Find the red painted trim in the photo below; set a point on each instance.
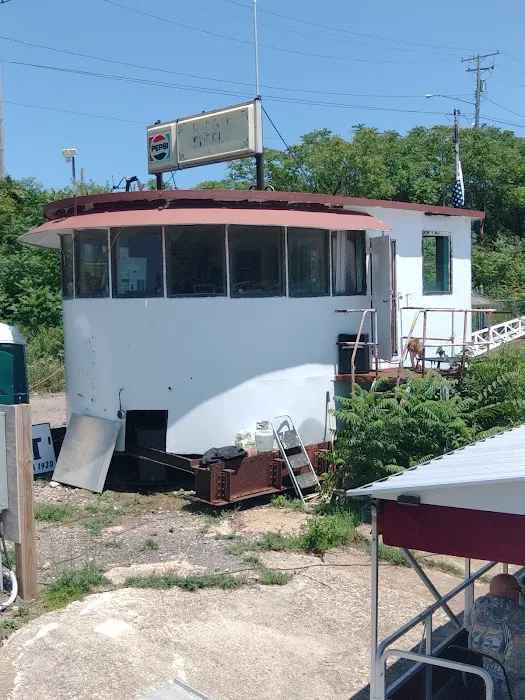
(242, 198)
(455, 531)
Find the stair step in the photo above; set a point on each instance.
(306, 480)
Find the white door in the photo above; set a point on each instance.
(380, 256)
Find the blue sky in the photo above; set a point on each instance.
(390, 74)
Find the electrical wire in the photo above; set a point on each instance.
(517, 114)
(347, 31)
(68, 111)
(311, 34)
(203, 77)
(208, 90)
(304, 174)
(266, 46)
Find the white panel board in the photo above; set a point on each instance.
(86, 452)
(218, 136)
(43, 449)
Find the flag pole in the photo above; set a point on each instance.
(456, 138)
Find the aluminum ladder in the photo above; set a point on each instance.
(294, 455)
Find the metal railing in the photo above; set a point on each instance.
(357, 343)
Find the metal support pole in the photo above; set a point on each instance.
(469, 592)
(376, 346)
(428, 651)
(74, 174)
(259, 170)
(374, 601)
(489, 328)
(428, 583)
(160, 183)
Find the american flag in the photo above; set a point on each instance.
(458, 194)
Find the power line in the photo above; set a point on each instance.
(304, 174)
(517, 114)
(311, 34)
(266, 46)
(68, 111)
(208, 90)
(200, 77)
(348, 31)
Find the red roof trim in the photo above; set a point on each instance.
(242, 198)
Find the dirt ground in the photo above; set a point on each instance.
(308, 638)
(49, 408)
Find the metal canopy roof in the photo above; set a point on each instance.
(488, 475)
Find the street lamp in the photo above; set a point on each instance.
(70, 155)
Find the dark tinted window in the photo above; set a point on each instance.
(137, 261)
(256, 261)
(66, 258)
(307, 262)
(196, 260)
(91, 256)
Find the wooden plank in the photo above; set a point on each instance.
(19, 519)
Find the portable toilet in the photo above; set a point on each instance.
(13, 367)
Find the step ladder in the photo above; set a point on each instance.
(294, 455)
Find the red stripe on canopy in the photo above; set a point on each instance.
(458, 532)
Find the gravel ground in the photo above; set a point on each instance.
(49, 408)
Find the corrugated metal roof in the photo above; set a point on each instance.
(496, 460)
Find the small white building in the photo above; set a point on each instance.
(204, 312)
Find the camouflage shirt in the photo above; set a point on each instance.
(497, 627)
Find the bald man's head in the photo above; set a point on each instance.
(505, 586)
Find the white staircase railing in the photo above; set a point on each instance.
(492, 337)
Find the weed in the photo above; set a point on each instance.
(113, 544)
(227, 536)
(10, 556)
(282, 501)
(52, 513)
(8, 626)
(149, 545)
(102, 515)
(192, 582)
(74, 585)
(325, 532)
(271, 577)
(253, 560)
(444, 566)
(392, 555)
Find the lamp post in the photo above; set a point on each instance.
(70, 155)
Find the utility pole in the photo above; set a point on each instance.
(479, 69)
(2, 152)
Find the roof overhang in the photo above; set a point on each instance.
(470, 502)
(48, 235)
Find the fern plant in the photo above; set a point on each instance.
(387, 429)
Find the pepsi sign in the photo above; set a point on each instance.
(159, 147)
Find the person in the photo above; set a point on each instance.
(496, 625)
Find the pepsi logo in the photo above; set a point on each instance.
(159, 147)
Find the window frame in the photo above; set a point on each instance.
(167, 257)
(62, 267)
(76, 241)
(289, 236)
(114, 234)
(282, 262)
(449, 280)
(359, 234)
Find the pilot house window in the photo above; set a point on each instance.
(91, 256)
(307, 262)
(196, 260)
(256, 261)
(137, 261)
(348, 263)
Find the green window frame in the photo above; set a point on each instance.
(437, 262)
